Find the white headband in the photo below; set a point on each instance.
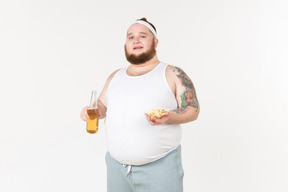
(147, 25)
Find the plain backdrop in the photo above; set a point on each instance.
(54, 53)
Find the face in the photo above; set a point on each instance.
(140, 45)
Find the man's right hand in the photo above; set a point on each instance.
(84, 114)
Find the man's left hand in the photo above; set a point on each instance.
(157, 121)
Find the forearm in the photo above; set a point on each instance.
(183, 115)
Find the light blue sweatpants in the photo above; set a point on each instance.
(163, 175)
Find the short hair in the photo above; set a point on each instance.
(144, 19)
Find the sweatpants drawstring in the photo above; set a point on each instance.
(128, 169)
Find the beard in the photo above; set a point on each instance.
(143, 57)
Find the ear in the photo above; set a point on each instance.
(156, 41)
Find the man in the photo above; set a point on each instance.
(144, 154)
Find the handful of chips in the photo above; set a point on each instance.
(158, 113)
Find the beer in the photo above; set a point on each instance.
(92, 124)
(93, 114)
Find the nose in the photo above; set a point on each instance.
(136, 40)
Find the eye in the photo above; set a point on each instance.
(143, 36)
(131, 37)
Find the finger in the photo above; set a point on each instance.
(153, 123)
(155, 119)
(81, 116)
(148, 117)
(84, 115)
(85, 109)
(149, 120)
(163, 116)
(84, 118)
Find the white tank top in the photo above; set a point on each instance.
(130, 138)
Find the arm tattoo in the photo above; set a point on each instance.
(188, 96)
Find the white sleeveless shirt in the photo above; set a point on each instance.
(130, 138)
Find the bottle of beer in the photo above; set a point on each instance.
(93, 113)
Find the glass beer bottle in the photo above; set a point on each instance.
(93, 114)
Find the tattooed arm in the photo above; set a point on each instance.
(185, 94)
(183, 88)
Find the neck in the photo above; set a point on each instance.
(141, 69)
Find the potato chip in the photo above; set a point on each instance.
(158, 113)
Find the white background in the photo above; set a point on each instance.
(53, 53)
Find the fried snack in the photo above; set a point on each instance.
(158, 113)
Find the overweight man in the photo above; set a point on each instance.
(144, 153)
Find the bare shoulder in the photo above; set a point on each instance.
(110, 78)
(176, 77)
(174, 73)
(170, 69)
(174, 69)
(103, 92)
(112, 75)
(179, 76)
